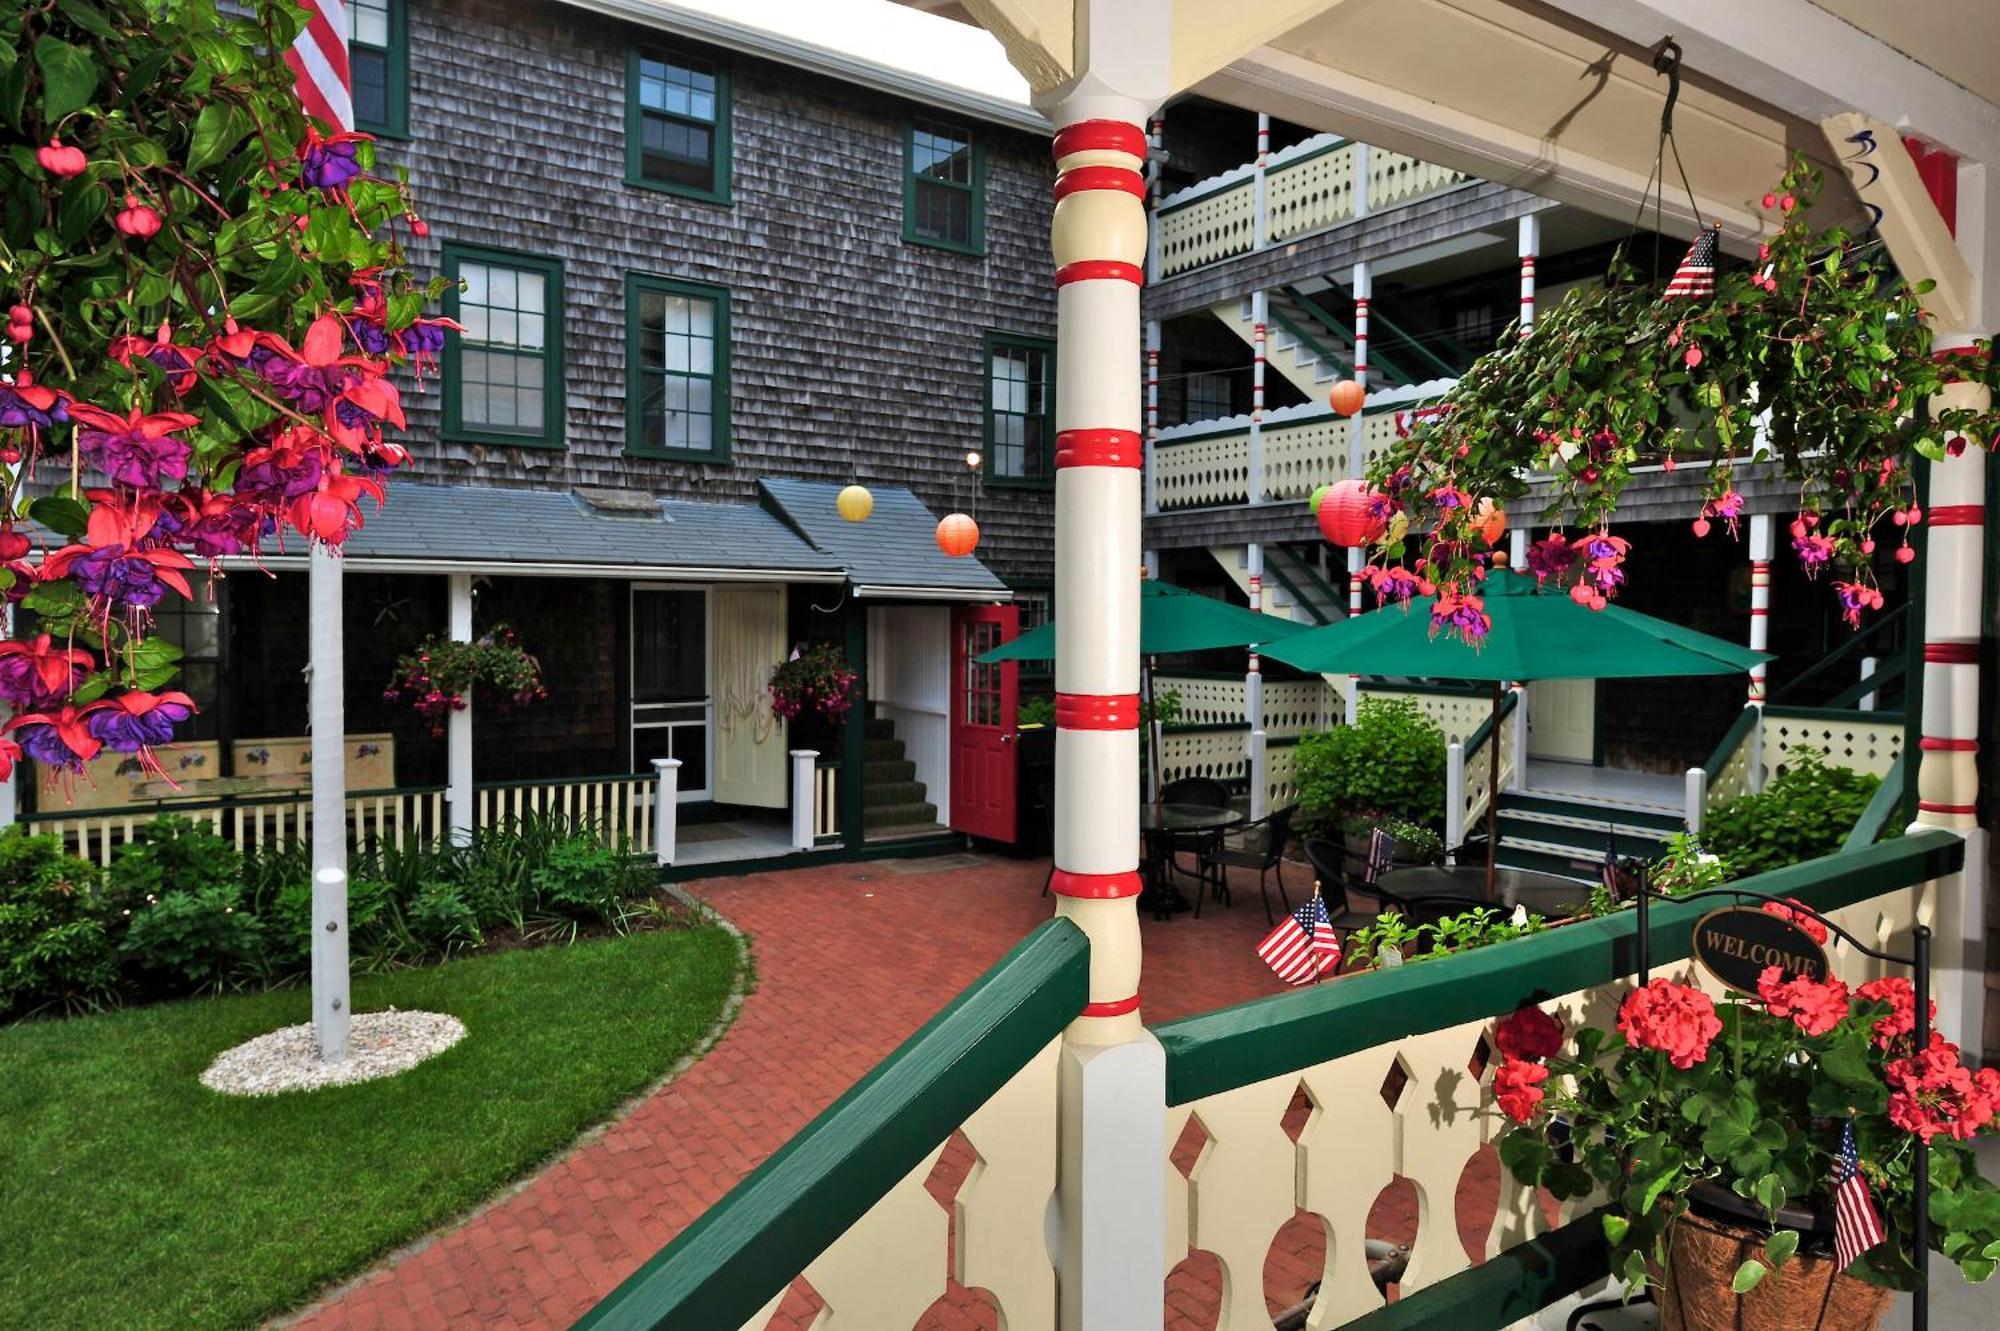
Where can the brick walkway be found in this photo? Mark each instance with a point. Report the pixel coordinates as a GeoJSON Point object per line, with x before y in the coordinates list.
{"type": "Point", "coordinates": [851, 958]}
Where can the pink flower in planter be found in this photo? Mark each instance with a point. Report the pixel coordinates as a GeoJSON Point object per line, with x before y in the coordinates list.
{"type": "Point", "coordinates": [135, 450]}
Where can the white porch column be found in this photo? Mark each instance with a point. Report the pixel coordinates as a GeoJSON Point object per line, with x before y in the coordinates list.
{"type": "Point", "coordinates": [1111, 1191]}
{"type": "Point", "coordinates": [1762, 538]}
{"type": "Point", "coordinates": [327, 709]}
{"type": "Point", "coordinates": [1697, 800]}
{"type": "Point", "coordinates": [1531, 248]}
{"type": "Point", "coordinates": [666, 809]}
{"type": "Point", "coordinates": [1260, 313]}
{"type": "Point", "coordinates": [1868, 667]}
{"type": "Point", "coordinates": [803, 762]}
{"type": "Point", "coordinates": [1253, 691]}
{"type": "Point", "coordinates": [1454, 799]}
{"type": "Point", "coordinates": [1517, 781]}
{"type": "Point", "coordinates": [458, 729]}
{"type": "Point", "coordinates": [1261, 232]}
{"type": "Point", "coordinates": [1517, 548]}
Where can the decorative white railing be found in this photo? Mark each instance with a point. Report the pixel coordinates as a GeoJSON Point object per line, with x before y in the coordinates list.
{"type": "Point", "coordinates": [1310, 186]}
{"type": "Point", "coordinates": [1867, 742]}
{"type": "Point", "coordinates": [1458, 712]}
{"type": "Point", "coordinates": [1291, 706]}
{"type": "Point", "coordinates": [1206, 464]}
{"type": "Point", "coordinates": [373, 816]}
{"type": "Point", "coordinates": [620, 807]}
{"type": "Point", "coordinates": [826, 801]}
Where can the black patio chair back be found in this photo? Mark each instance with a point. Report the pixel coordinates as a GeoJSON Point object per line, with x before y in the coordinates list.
{"type": "Point", "coordinates": [1204, 791]}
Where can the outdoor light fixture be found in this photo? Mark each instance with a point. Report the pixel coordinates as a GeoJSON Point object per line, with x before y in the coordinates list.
{"type": "Point", "coordinates": [972, 459]}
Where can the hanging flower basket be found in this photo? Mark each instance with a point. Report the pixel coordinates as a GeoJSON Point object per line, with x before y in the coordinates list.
{"type": "Point", "coordinates": [1817, 357]}
{"type": "Point", "coordinates": [443, 676]}
{"type": "Point", "coordinates": [815, 679]}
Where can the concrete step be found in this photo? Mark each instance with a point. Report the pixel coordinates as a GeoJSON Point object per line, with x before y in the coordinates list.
{"type": "Point", "coordinates": [1584, 837]}
{"type": "Point", "coordinates": [1612, 811]}
{"type": "Point", "coordinates": [875, 795]}
{"type": "Point", "coordinates": [1540, 856]}
{"type": "Point", "coordinates": [898, 815]}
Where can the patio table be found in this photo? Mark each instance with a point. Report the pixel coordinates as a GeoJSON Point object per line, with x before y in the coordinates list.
{"type": "Point", "coordinates": [1543, 894]}
{"type": "Point", "coordinates": [1158, 825]}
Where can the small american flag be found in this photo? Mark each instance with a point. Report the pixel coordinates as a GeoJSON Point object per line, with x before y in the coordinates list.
{"type": "Point", "coordinates": [1856, 1227]}
{"type": "Point", "coordinates": [1381, 850]}
{"type": "Point", "coordinates": [1696, 275]}
{"type": "Point", "coordinates": [1608, 875]}
{"type": "Point", "coordinates": [319, 61]}
{"type": "Point", "coordinates": [1303, 946]}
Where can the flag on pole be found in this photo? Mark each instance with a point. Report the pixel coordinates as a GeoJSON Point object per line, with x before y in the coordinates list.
{"type": "Point", "coordinates": [319, 62]}
{"type": "Point", "coordinates": [1856, 1227]}
{"type": "Point", "coordinates": [1696, 275]}
{"type": "Point", "coordinates": [1381, 850]}
{"type": "Point", "coordinates": [1303, 947]}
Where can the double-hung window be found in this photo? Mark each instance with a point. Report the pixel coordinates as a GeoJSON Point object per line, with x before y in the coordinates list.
{"type": "Point", "coordinates": [503, 374]}
{"type": "Point", "coordinates": [378, 63]}
{"type": "Point", "coordinates": [1020, 410]}
{"type": "Point", "coordinates": [944, 187]}
{"type": "Point", "coordinates": [677, 124]}
{"type": "Point", "coordinates": [676, 369]}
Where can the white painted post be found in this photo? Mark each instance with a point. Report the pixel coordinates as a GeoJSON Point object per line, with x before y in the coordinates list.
{"type": "Point", "coordinates": [666, 808]}
{"type": "Point", "coordinates": [1362, 186]}
{"type": "Point", "coordinates": [1454, 799]}
{"type": "Point", "coordinates": [1260, 774]}
{"type": "Point", "coordinates": [458, 729]}
{"type": "Point", "coordinates": [1697, 799]}
{"type": "Point", "coordinates": [1517, 548]}
{"type": "Point", "coordinates": [1530, 249]}
{"type": "Point", "coordinates": [803, 763]}
{"type": "Point", "coordinates": [1260, 314]}
{"type": "Point", "coordinates": [1517, 780]}
{"type": "Point", "coordinates": [1261, 234]}
{"type": "Point", "coordinates": [326, 708]}
{"type": "Point", "coordinates": [1152, 413]}
{"type": "Point", "coordinates": [1111, 1185]}
{"type": "Point", "coordinates": [1868, 664]}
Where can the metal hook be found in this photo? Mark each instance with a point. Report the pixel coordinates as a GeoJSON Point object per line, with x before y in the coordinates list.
{"type": "Point", "coordinates": [1667, 60]}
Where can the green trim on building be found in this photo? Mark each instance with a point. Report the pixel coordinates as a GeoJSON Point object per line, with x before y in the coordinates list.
{"type": "Point", "coordinates": [975, 245]}
{"type": "Point", "coordinates": [635, 114]}
{"type": "Point", "coordinates": [636, 284]}
{"type": "Point", "coordinates": [747, 1247]}
{"type": "Point", "coordinates": [396, 70]}
{"type": "Point", "coordinates": [553, 396]}
{"type": "Point", "coordinates": [1045, 477]}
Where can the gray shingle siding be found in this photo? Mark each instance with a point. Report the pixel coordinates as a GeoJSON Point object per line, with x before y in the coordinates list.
{"type": "Point", "coordinates": [854, 355]}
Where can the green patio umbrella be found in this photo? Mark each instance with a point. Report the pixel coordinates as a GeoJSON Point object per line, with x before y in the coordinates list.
{"type": "Point", "coordinates": [1536, 634]}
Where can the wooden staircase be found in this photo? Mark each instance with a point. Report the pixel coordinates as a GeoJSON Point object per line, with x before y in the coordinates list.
{"type": "Point", "coordinates": [893, 801]}
{"type": "Point", "coordinates": [1569, 834]}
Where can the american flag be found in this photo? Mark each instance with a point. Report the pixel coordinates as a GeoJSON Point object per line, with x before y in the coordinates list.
{"type": "Point", "coordinates": [1303, 946]}
{"type": "Point", "coordinates": [1381, 850]}
{"type": "Point", "coordinates": [1696, 275]}
{"type": "Point", "coordinates": [1856, 1227]}
{"type": "Point", "coordinates": [319, 60]}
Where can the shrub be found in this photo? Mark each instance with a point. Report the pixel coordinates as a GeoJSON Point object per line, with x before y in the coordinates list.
{"type": "Point", "coordinates": [194, 940]}
{"type": "Point", "coordinates": [1389, 762]}
{"type": "Point", "coordinates": [55, 950]}
{"type": "Point", "coordinates": [581, 880]}
{"type": "Point", "coordinates": [172, 855]}
{"type": "Point", "coordinates": [440, 917]}
{"type": "Point", "coordinates": [1804, 812]}
{"type": "Point", "coordinates": [1415, 843]}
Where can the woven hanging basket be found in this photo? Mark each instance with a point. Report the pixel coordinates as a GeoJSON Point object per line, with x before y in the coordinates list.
{"type": "Point", "coordinates": [1807, 1294]}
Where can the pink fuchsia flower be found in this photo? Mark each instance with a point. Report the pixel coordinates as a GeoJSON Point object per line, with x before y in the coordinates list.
{"type": "Point", "coordinates": [1729, 507]}
{"type": "Point", "coordinates": [118, 562]}
{"type": "Point", "coordinates": [35, 673]}
{"type": "Point", "coordinates": [134, 450]}
{"type": "Point", "coordinates": [331, 510]}
{"type": "Point", "coordinates": [1528, 1033]}
{"type": "Point", "coordinates": [59, 739]}
{"type": "Point", "coordinates": [138, 720]}
{"type": "Point", "coordinates": [30, 406]}
{"type": "Point", "coordinates": [1815, 1007]}
{"type": "Point", "coordinates": [1448, 497]}
{"type": "Point", "coordinates": [61, 160]}
{"type": "Point", "coordinates": [1856, 599]}
{"type": "Point", "coordinates": [1395, 583]}
{"type": "Point", "coordinates": [1815, 551]}
{"type": "Point", "coordinates": [10, 754]}
{"type": "Point", "coordinates": [1517, 1088]}
{"type": "Point", "coordinates": [1674, 1018]}
{"type": "Point", "coordinates": [177, 361]}
{"type": "Point", "coordinates": [210, 525]}
{"type": "Point", "coordinates": [1463, 614]}
{"type": "Point", "coordinates": [1552, 557]}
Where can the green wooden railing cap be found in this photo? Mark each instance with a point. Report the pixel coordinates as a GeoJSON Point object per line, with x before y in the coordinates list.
{"type": "Point", "coordinates": [1738, 731]}
{"type": "Point", "coordinates": [747, 1247]}
{"type": "Point", "coordinates": [1286, 1033]}
{"type": "Point", "coordinates": [1515, 1283]}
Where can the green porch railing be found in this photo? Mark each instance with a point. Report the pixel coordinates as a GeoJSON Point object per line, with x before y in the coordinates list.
{"type": "Point", "coordinates": [1732, 739]}
{"type": "Point", "coordinates": [1886, 803]}
{"type": "Point", "coordinates": [743, 1251]}
{"type": "Point", "coordinates": [1849, 649]}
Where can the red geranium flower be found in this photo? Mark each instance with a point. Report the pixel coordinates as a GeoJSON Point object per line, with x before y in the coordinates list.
{"type": "Point", "coordinates": [1931, 1094]}
{"type": "Point", "coordinates": [1529, 1033]}
{"type": "Point", "coordinates": [1517, 1086]}
{"type": "Point", "coordinates": [1791, 908]}
{"type": "Point", "coordinates": [1814, 1008]}
{"type": "Point", "coordinates": [1897, 992]}
{"type": "Point", "coordinates": [1674, 1018]}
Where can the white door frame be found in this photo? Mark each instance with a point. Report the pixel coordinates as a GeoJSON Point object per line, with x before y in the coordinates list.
{"type": "Point", "coordinates": [632, 722]}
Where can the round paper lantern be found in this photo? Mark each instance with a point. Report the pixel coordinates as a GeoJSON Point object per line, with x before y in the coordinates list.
{"type": "Point", "coordinates": [957, 535]}
{"type": "Point", "coordinates": [855, 503]}
{"type": "Point", "coordinates": [1490, 521]}
{"type": "Point", "coordinates": [1318, 494]}
{"type": "Point", "coordinates": [1344, 516]}
{"type": "Point", "coordinates": [1347, 397]}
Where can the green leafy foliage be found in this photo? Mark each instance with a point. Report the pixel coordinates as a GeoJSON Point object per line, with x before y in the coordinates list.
{"type": "Point", "coordinates": [56, 952]}
{"type": "Point", "coordinates": [1479, 927]}
{"type": "Point", "coordinates": [1803, 812]}
{"type": "Point", "coordinates": [1390, 762]}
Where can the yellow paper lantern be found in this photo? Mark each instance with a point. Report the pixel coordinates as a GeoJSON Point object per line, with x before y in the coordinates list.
{"type": "Point", "coordinates": [855, 503]}
{"type": "Point", "coordinates": [957, 535]}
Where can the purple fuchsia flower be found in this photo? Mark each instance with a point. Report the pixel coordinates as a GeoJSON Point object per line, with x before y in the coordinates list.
{"type": "Point", "coordinates": [36, 673]}
{"type": "Point", "coordinates": [138, 720]}
{"type": "Point", "coordinates": [59, 739]}
{"type": "Point", "coordinates": [1448, 497]}
{"type": "Point", "coordinates": [1815, 551]}
{"type": "Point", "coordinates": [1856, 599]}
{"type": "Point", "coordinates": [1396, 583]}
{"type": "Point", "coordinates": [1551, 557]}
{"type": "Point", "coordinates": [135, 450]}
{"type": "Point", "coordinates": [275, 476]}
{"type": "Point", "coordinates": [31, 406]}
{"type": "Point", "coordinates": [1463, 616]}
{"type": "Point", "coordinates": [120, 559]}
{"type": "Point", "coordinates": [161, 350]}
{"type": "Point", "coordinates": [332, 162]}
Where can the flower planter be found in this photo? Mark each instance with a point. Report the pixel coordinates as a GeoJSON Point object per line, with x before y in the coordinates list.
{"type": "Point", "coordinates": [1808, 1291]}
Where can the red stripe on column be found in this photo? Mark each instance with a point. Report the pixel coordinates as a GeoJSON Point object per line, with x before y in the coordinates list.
{"type": "Point", "coordinates": [1937, 744]}
{"type": "Point", "coordinates": [1099, 448]}
{"type": "Point", "coordinates": [1097, 711]}
{"type": "Point", "coordinates": [1088, 270]}
{"type": "Point", "coordinates": [1948, 354]}
{"type": "Point", "coordinates": [1117, 1007]}
{"type": "Point", "coordinates": [1100, 177]}
{"type": "Point", "coordinates": [1957, 515]}
{"type": "Point", "coordinates": [1930, 807]}
{"type": "Point", "coordinates": [1096, 886]}
{"type": "Point", "coordinates": [1100, 136]}
{"type": "Point", "coordinates": [1951, 653]}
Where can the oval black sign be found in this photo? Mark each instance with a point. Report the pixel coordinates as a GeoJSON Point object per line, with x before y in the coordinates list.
{"type": "Point", "coordinates": [1736, 944]}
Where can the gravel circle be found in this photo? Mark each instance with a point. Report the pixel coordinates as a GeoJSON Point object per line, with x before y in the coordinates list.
{"type": "Point", "coordinates": [379, 1044]}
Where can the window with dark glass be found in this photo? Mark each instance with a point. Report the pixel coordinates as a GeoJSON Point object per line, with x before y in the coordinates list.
{"type": "Point", "coordinates": [677, 125]}
{"type": "Point", "coordinates": [1020, 409]}
{"type": "Point", "coordinates": [677, 368]}
{"type": "Point", "coordinates": [195, 626]}
{"type": "Point", "coordinates": [376, 65]}
{"type": "Point", "coordinates": [1209, 395]}
{"type": "Point", "coordinates": [503, 374]}
{"type": "Point", "coordinates": [944, 187]}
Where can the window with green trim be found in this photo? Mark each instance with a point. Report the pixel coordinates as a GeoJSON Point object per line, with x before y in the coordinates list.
{"type": "Point", "coordinates": [677, 124]}
{"type": "Point", "coordinates": [944, 187]}
{"type": "Point", "coordinates": [378, 63]}
{"type": "Point", "coordinates": [676, 369]}
{"type": "Point", "coordinates": [503, 374]}
{"type": "Point", "coordinates": [1020, 409]}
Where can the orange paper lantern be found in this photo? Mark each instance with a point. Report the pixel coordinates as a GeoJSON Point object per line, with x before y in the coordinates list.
{"type": "Point", "coordinates": [1347, 397]}
{"type": "Point", "coordinates": [1344, 514]}
{"type": "Point", "coordinates": [1490, 521]}
{"type": "Point", "coordinates": [957, 535]}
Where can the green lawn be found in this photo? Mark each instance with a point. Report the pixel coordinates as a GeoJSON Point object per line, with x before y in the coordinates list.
{"type": "Point", "coordinates": [132, 1196]}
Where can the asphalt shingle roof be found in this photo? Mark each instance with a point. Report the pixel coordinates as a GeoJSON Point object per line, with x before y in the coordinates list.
{"type": "Point", "coordinates": [896, 546]}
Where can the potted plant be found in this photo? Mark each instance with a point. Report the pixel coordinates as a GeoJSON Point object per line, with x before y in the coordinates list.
{"type": "Point", "coordinates": [443, 676]}
{"type": "Point", "coordinates": [816, 679]}
{"type": "Point", "coordinates": [1389, 764]}
{"type": "Point", "coordinates": [1716, 1130]}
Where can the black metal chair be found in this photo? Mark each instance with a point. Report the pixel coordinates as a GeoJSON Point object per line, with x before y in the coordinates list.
{"type": "Point", "coordinates": [1258, 845]}
{"type": "Point", "coordinates": [1207, 793]}
{"type": "Point", "coordinates": [1338, 889]}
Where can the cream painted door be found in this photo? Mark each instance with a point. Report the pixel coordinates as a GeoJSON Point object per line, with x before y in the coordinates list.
{"type": "Point", "coordinates": [748, 625]}
{"type": "Point", "coordinates": [1562, 719]}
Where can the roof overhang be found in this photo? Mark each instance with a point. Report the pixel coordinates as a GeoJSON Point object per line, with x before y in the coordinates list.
{"type": "Point", "coordinates": [515, 569]}
{"type": "Point", "coordinates": [978, 595]}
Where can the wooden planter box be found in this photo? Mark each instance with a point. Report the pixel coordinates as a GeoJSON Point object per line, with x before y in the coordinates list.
{"type": "Point", "coordinates": [285, 763]}
{"type": "Point", "coordinates": [116, 781]}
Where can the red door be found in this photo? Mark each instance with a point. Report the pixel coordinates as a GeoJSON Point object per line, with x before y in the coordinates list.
{"type": "Point", "coordinates": [983, 702]}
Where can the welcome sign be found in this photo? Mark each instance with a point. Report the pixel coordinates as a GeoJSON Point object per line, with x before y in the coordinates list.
{"type": "Point", "coordinates": [1737, 943]}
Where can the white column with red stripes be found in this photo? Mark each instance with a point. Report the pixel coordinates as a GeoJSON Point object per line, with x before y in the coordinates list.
{"type": "Point", "coordinates": [1762, 544]}
{"type": "Point", "coordinates": [1112, 1189]}
{"type": "Point", "coordinates": [1357, 439]}
{"type": "Point", "coordinates": [1152, 415]}
{"type": "Point", "coordinates": [1260, 315]}
{"type": "Point", "coordinates": [1253, 690]}
{"type": "Point", "coordinates": [1260, 231]}
{"type": "Point", "coordinates": [1531, 247]}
